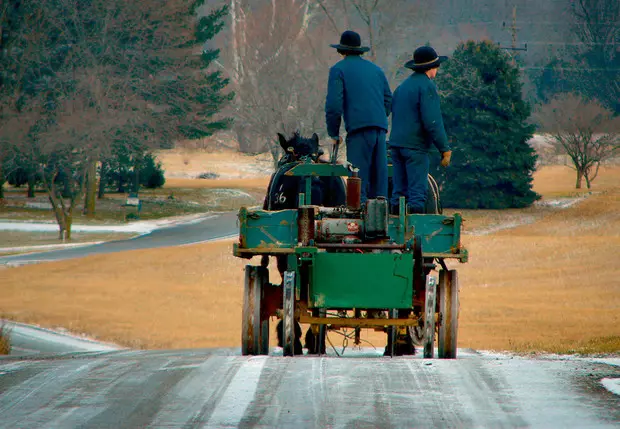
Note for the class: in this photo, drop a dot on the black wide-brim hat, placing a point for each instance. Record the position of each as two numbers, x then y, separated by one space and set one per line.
425 58
350 41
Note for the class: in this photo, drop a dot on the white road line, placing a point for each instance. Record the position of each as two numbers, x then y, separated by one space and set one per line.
238 395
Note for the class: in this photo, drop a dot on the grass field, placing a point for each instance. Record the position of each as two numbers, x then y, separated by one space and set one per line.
552 284
242 181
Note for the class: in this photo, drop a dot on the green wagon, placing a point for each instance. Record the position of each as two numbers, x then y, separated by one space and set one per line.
354 266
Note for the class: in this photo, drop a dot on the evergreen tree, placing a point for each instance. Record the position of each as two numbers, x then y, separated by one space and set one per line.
486 119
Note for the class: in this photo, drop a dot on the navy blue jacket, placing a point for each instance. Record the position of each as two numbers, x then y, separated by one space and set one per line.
358 90
416 116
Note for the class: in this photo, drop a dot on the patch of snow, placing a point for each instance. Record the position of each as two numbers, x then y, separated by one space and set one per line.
35 205
612 384
55 336
47 247
561 203
526 220
234 193
607 361
139 227
557 203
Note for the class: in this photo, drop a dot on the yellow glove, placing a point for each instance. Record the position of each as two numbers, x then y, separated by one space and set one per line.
445 158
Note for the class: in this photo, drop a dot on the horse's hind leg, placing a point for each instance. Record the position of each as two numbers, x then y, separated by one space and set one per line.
298 350
264 261
312 343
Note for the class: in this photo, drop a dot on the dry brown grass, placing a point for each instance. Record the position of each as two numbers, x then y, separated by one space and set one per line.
553 285
228 164
253 183
181 297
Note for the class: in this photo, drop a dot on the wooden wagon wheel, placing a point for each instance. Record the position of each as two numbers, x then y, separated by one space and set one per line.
449 311
288 314
254 331
429 318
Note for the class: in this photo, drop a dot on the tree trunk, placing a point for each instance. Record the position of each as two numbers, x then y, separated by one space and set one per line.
579 179
136 178
102 180
91 189
1 183
66 186
60 216
31 183
68 222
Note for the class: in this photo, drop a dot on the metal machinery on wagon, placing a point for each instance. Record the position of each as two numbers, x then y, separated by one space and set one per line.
347 264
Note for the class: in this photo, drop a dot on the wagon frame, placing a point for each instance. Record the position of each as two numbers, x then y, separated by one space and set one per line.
334 284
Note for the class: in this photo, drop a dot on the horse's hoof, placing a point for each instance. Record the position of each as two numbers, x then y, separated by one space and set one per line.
279 331
403 347
298 349
264 261
312 343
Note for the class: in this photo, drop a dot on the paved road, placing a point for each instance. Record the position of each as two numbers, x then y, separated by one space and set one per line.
208 228
220 389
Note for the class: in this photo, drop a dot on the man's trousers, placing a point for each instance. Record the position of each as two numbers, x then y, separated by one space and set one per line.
367 151
409 178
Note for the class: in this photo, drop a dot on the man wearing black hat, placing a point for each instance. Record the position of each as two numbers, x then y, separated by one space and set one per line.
416 124
359 91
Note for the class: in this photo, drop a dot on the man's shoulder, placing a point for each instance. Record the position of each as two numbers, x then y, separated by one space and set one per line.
373 66
424 83
412 83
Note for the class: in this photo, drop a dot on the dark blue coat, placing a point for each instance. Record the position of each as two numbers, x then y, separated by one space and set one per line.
358 90
416 116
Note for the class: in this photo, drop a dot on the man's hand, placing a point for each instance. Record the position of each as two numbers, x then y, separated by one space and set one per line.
445 158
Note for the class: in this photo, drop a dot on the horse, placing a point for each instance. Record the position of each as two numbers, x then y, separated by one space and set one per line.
283 194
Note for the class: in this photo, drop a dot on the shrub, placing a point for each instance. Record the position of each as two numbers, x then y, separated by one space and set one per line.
208 175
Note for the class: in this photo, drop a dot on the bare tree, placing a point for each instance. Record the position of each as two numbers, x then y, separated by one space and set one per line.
596 25
277 71
584 130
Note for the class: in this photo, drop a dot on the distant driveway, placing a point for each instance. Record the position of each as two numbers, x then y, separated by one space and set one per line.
209 227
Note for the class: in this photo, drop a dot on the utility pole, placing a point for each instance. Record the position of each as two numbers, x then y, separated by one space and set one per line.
513 30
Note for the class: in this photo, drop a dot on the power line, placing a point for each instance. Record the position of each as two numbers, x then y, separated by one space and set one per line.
568 68
611 23
544 42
